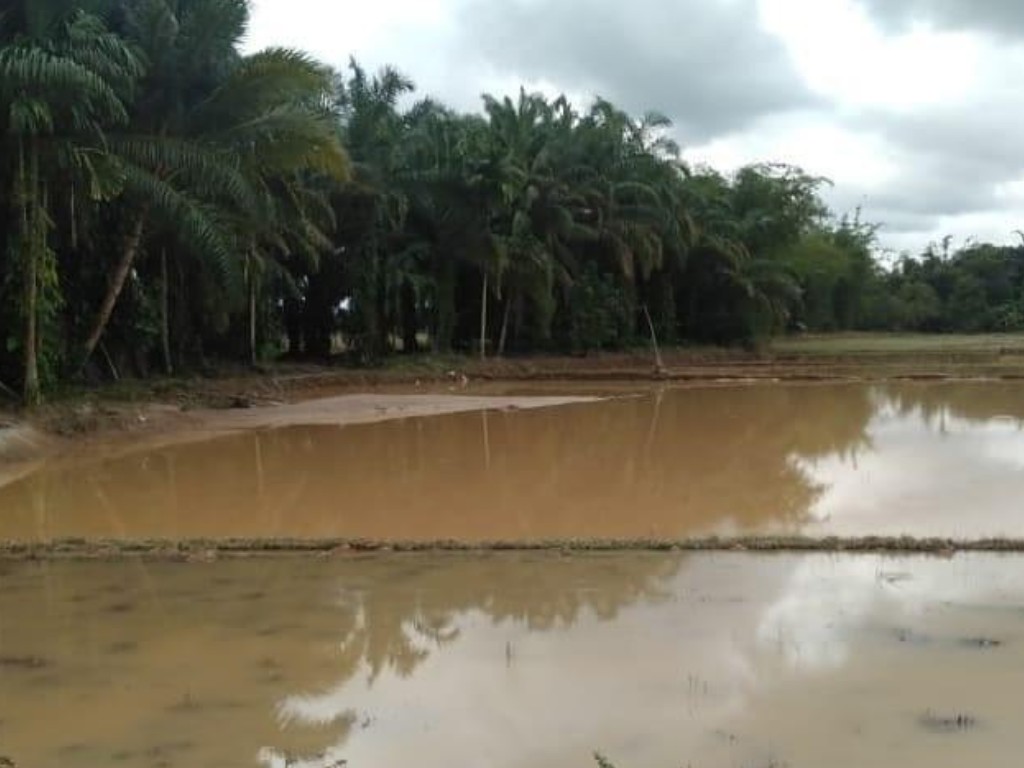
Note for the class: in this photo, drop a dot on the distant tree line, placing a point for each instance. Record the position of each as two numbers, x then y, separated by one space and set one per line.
979 287
169 201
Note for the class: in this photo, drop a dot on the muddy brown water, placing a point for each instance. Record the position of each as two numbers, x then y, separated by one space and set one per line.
656 660
847 459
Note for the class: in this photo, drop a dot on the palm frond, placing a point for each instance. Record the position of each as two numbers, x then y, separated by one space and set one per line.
91 45
208 171
290 138
28 72
194 226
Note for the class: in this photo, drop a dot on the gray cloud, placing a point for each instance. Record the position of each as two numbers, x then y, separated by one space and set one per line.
710 66
1003 17
953 162
705 63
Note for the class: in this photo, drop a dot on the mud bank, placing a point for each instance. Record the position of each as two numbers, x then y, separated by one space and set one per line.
199 550
122 428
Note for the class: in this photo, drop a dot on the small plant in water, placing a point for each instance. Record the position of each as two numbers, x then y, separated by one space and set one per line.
960 721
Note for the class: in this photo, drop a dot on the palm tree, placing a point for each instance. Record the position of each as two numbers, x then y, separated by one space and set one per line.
447 222
217 141
631 176
274 115
64 79
372 130
534 207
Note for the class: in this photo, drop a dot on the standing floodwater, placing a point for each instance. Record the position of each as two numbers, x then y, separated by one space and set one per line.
848 459
514 661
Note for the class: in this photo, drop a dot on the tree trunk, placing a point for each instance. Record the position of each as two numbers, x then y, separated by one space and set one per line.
444 319
252 311
124 267
518 319
368 296
504 326
179 317
29 214
691 313
410 345
666 307
483 319
165 315
71 217
31 391
293 324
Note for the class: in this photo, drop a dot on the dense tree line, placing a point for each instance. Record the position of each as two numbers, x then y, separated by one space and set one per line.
979 287
168 200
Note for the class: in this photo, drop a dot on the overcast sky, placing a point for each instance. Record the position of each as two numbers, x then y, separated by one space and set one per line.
914 108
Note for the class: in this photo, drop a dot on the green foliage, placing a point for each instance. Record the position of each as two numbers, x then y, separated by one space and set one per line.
600 315
167 199
918 307
979 288
26 247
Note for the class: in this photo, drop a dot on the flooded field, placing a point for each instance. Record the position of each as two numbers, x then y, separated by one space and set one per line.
709 660
846 459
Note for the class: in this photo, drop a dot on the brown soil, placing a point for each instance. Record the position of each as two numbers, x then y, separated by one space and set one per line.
163 404
70 430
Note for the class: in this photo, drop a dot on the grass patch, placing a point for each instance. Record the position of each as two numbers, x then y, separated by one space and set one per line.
902 344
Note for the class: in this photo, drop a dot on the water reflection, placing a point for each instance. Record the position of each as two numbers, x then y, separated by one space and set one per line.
747 661
720 660
219 649
924 459
650 466
945 460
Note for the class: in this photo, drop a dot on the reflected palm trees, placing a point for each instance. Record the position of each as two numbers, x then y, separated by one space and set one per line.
396 614
217 646
671 464
973 401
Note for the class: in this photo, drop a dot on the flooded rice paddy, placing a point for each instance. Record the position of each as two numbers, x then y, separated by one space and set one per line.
944 460
656 660
532 660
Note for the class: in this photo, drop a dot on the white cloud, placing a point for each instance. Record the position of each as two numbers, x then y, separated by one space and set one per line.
843 55
914 116
811 140
335 31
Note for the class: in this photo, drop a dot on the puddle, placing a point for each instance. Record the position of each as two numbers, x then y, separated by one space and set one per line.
711 660
927 460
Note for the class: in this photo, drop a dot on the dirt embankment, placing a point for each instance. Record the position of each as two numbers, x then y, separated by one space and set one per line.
238 397
120 427
207 550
